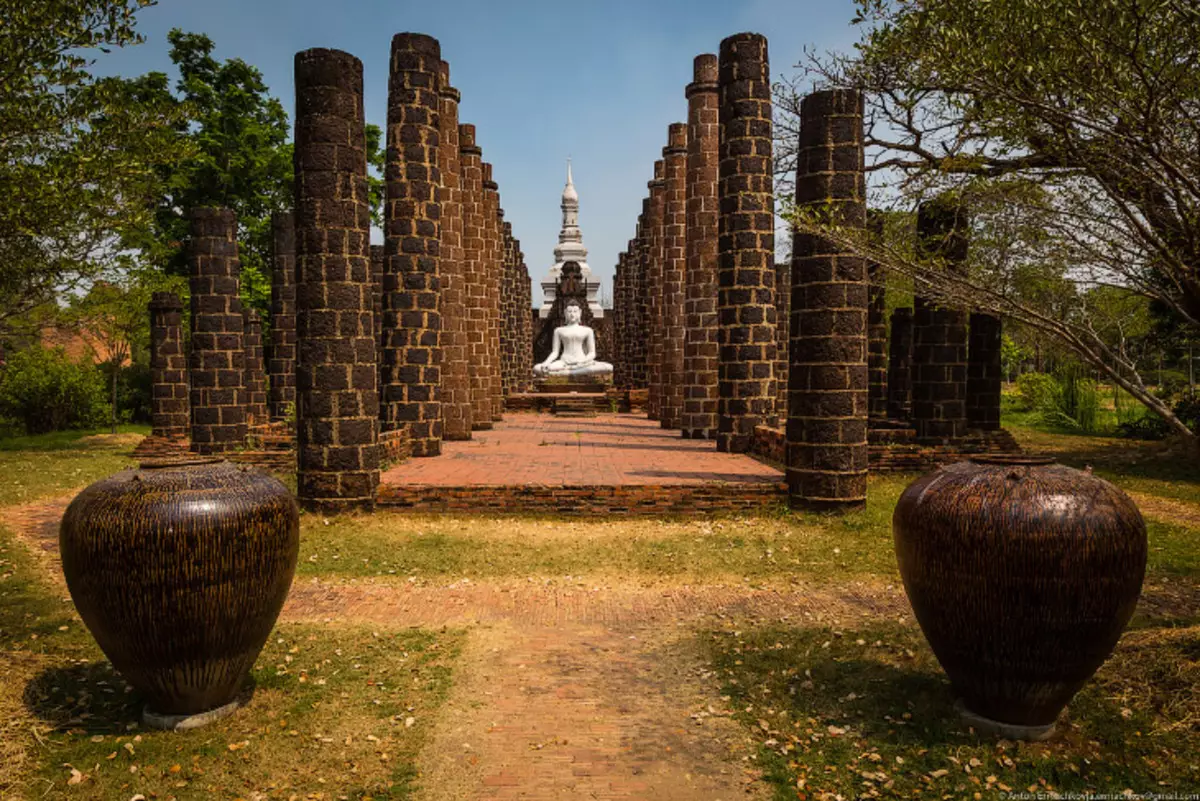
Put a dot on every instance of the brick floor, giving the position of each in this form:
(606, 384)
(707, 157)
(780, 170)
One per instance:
(610, 450)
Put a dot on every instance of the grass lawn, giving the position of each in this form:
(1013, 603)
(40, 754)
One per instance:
(339, 710)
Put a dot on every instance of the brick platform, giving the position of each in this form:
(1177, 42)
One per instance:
(609, 464)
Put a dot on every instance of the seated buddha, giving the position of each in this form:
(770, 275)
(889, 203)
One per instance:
(573, 354)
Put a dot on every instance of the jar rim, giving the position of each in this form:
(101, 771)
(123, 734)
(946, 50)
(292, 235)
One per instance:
(166, 462)
(1014, 459)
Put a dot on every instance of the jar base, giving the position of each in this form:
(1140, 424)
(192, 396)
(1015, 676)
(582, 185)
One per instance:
(1007, 731)
(157, 720)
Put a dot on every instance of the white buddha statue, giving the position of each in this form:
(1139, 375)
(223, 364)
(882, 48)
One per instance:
(573, 354)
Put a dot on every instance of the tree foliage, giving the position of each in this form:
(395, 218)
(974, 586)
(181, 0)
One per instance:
(80, 156)
(1069, 128)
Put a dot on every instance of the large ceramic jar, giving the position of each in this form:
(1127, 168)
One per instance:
(1022, 574)
(179, 568)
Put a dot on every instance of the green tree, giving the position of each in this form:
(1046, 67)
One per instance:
(241, 158)
(80, 157)
(1074, 118)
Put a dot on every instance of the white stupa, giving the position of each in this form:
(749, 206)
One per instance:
(570, 248)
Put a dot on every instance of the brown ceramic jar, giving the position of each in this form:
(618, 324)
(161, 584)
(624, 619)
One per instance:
(179, 568)
(1022, 574)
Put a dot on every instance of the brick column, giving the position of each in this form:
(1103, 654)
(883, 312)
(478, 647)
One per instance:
(639, 305)
(827, 424)
(655, 312)
(378, 262)
(746, 243)
(474, 271)
(984, 372)
(412, 356)
(939, 379)
(456, 382)
(526, 382)
(337, 425)
(493, 249)
(218, 361)
(168, 368)
(674, 256)
(255, 381)
(877, 355)
(508, 310)
(282, 365)
(899, 378)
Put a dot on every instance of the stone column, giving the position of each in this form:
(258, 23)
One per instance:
(984, 372)
(255, 381)
(655, 312)
(282, 365)
(378, 261)
(475, 273)
(412, 357)
(493, 264)
(827, 424)
(620, 365)
(168, 368)
(939, 381)
(746, 243)
(526, 382)
(337, 425)
(674, 256)
(877, 355)
(508, 310)
(700, 350)
(456, 382)
(218, 361)
(899, 378)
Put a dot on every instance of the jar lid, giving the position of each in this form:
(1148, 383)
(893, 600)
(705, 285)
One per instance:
(1014, 459)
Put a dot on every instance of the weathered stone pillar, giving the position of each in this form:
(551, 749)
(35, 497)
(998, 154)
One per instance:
(218, 359)
(899, 378)
(877, 355)
(456, 381)
(508, 310)
(827, 424)
(984, 372)
(939, 382)
(655, 312)
(475, 273)
(746, 243)
(412, 357)
(378, 261)
(168, 368)
(620, 318)
(493, 264)
(700, 350)
(255, 381)
(337, 401)
(282, 365)
(674, 258)
(639, 358)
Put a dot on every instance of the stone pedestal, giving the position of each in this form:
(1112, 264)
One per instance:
(412, 356)
(218, 360)
(168, 368)
(337, 425)
(746, 244)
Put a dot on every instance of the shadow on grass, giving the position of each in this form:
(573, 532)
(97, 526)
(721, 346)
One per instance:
(90, 696)
(840, 711)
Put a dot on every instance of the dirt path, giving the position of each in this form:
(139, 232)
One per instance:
(1169, 510)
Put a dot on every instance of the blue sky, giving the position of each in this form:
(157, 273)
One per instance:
(596, 81)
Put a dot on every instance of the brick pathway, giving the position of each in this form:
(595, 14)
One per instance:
(611, 449)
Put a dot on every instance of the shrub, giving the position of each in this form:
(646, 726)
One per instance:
(1072, 402)
(1033, 390)
(43, 390)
